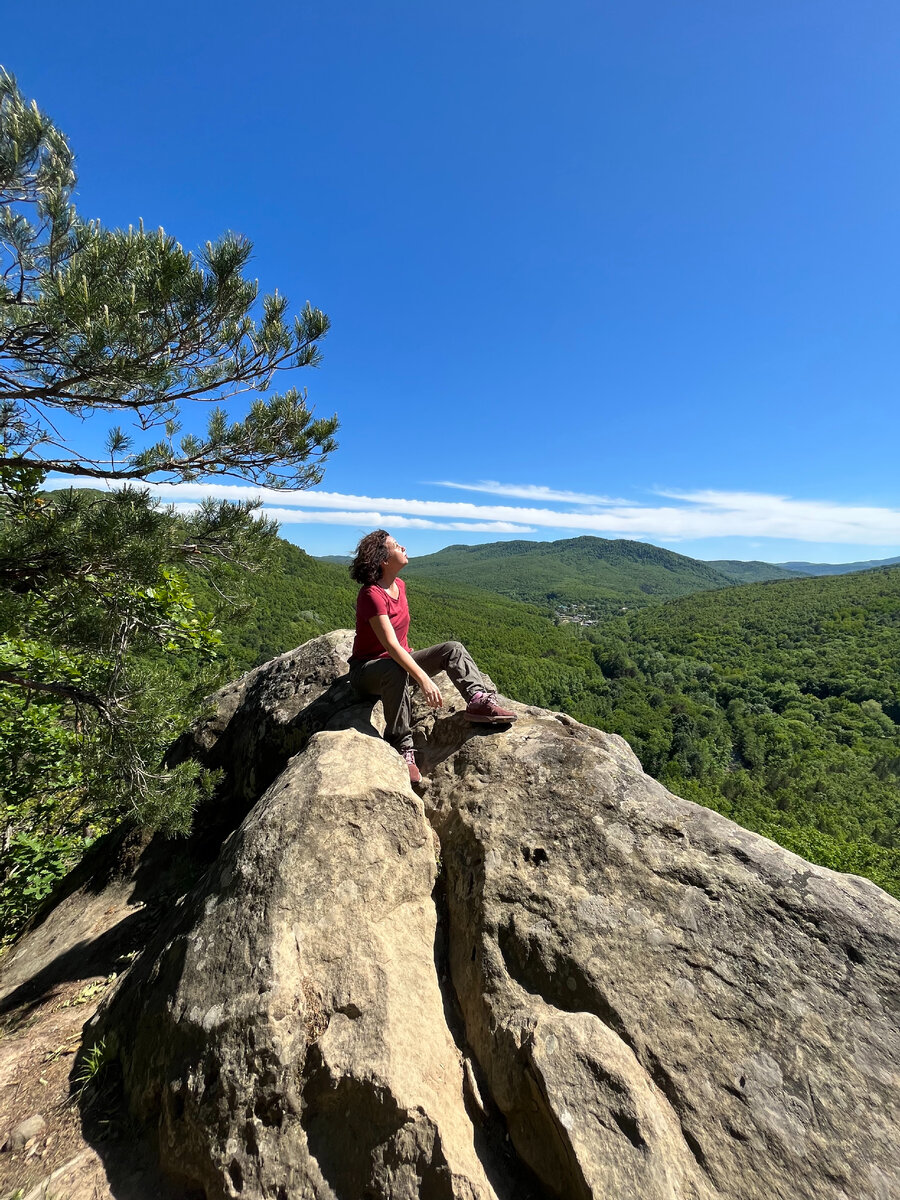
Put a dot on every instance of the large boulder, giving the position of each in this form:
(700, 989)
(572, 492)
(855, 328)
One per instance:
(644, 1000)
(664, 1004)
(287, 1036)
(257, 723)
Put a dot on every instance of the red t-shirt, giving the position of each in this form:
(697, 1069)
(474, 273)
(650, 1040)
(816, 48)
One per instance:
(372, 601)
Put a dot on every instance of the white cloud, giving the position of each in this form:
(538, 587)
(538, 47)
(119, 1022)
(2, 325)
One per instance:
(805, 520)
(527, 491)
(694, 515)
(372, 520)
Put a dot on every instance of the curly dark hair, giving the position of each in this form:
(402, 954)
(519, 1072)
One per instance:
(371, 555)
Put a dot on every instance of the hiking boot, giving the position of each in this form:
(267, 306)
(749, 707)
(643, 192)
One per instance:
(484, 709)
(415, 775)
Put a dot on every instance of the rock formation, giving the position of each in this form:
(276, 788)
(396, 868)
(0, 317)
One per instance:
(545, 976)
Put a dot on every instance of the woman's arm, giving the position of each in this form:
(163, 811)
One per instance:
(384, 631)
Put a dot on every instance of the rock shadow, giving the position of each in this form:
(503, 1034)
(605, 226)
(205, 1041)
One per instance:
(252, 749)
(507, 1174)
(446, 737)
(128, 1144)
(362, 1139)
(128, 1154)
(84, 960)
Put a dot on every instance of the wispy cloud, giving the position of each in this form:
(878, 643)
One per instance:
(690, 515)
(806, 520)
(527, 491)
(373, 520)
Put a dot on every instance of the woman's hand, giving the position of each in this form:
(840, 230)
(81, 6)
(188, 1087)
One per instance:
(431, 692)
(384, 631)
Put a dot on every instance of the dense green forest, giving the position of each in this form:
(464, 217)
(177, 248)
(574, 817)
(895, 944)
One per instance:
(777, 704)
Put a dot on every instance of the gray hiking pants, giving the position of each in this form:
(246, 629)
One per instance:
(385, 678)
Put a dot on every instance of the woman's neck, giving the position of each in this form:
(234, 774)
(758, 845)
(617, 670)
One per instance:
(388, 579)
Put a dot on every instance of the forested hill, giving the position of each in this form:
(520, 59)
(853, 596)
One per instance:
(294, 598)
(577, 576)
(776, 703)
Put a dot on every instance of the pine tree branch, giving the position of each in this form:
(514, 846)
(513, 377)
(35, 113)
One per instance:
(66, 690)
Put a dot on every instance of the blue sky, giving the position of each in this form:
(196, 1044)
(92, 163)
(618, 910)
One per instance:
(618, 269)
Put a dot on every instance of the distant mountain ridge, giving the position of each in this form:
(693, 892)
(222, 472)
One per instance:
(758, 572)
(443, 563)
(754, 571)
(584, 575)
(807, 568)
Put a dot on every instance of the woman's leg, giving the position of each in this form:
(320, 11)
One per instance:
(482, 706)
(387, 679)
(455, 659)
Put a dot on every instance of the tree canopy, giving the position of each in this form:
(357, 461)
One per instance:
(129, 323)
(105, 653)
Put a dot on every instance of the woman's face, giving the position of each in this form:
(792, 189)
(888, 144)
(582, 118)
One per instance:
(396, 554)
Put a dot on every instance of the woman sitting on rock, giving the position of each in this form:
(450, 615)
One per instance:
(382, 663)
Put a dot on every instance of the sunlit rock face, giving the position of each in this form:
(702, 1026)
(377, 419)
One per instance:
(664, 1004)
(544, 975)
